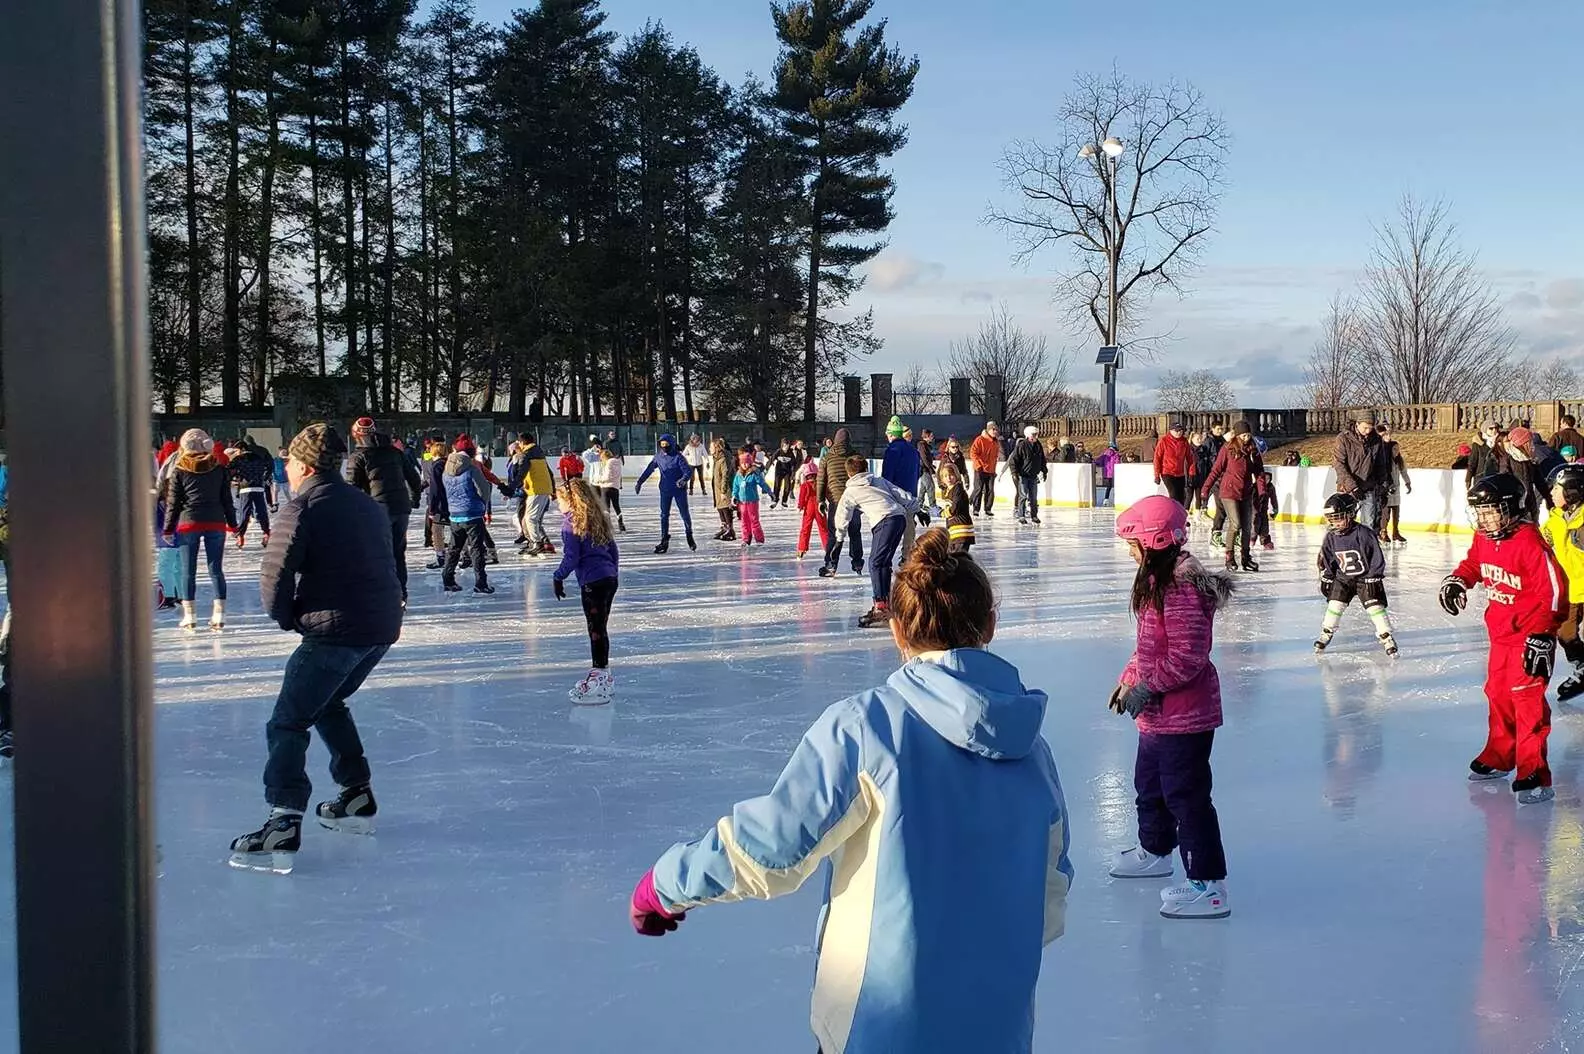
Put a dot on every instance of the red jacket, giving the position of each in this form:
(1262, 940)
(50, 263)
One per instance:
(1526, 587)
(1173, 457)
(984, 452)
(1235, 473)
(570, 465)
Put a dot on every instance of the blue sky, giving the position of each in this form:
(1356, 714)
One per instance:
(1336, 111)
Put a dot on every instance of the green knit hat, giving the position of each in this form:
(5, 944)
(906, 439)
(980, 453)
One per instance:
(895, 429)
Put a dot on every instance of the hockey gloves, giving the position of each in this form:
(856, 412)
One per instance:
(923, 518)
(1326, 584)
(1539, 655)
(1454, 595)
(649, 918)
(1133, 701)
(560, 589)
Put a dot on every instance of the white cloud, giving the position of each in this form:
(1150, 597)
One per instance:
(893, 271)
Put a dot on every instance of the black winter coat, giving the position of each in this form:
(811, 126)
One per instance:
(198, 496)
(382, 472)
(253, 468)
(1028, 458)
(434, 480)
(328, 572)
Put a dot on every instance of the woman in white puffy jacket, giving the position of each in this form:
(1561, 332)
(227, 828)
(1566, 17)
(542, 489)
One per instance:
(605, 476)
(694, 454)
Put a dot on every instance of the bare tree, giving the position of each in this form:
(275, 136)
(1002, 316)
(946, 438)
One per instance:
(1036, 383)
(1430, 326)
(1183, 391)
(919, 392)
(1331, 376)
(1169, 181)
(1532, 379)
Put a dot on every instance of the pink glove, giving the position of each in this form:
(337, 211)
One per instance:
(648, 917)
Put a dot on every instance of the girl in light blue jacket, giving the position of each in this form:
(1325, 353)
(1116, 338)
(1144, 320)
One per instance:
(937, 803)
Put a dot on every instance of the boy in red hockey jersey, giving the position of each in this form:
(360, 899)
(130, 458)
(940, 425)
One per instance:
(1528, 595)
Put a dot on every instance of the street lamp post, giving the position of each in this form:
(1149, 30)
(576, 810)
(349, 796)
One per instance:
(1112, 149)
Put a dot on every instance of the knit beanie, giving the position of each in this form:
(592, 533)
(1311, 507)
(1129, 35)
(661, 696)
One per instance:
(895, 429)
(1364, 417)
(1241, 428)
(465, 444)
(318, 446)
(363, 426)
(196, 441)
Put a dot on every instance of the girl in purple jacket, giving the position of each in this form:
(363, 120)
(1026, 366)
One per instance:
(588, 549)
(1171, 689)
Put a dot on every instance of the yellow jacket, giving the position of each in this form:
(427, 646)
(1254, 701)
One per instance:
(1565, 532)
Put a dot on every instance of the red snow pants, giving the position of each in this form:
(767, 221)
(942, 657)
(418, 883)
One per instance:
(1520, 718)
(812, 516)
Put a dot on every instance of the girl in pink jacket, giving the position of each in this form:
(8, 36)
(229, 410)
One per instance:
(1171, 689)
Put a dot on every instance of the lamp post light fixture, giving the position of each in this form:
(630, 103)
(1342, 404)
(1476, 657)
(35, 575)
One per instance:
(1110, 357)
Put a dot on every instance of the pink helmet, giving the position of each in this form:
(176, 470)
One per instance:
(1155, 523)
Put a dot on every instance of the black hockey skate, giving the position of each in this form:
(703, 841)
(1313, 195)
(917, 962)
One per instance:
(1323, 641)
(1530, 792)
(827, 571)
(874, 617)
(271, 848)
(1389, 642)
(1250, 565)
(7, 745)
(1479, 772)
(691, 543)
(452, 587)
(1571, 688)
(483, 589)
(664, 546)
(352, 812)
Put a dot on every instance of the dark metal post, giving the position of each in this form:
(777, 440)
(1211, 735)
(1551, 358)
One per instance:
(72, 241)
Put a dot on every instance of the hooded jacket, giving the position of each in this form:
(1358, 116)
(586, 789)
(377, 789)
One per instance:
(434, 484)
(721, 473)
(534, 475)
(580, 556)
(198, 496)
(938, 804)
(465, 488)
(900, 464)
(747, 486)
(831, 483)
(1565, 532)
(671, 465)
(1232, 477)
(382, 472)
(1173, 654)
(875, 498)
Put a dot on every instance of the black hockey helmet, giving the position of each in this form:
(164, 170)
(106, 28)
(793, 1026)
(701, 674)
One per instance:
(1502, 492)
(1571, 479)
(1340, 511)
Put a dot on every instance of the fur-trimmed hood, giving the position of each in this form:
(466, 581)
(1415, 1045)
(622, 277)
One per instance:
(1216, 586)
(197, 464)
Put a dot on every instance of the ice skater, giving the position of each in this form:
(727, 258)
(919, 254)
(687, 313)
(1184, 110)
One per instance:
(382, 472)
(953, 736)
(199, 511)
(605, 477)
(809, 507)
(331, 578)
(674, 475)
(466, 491)
(829, 488)
(1528, 601)
(1172, 691)
(1352, 565)
(747, 485)
(959, 517)
(1564, 530)
(721, 474)
(1266, 508)
(537, 486)
(252, 469)
(887, 507)
(588, 550)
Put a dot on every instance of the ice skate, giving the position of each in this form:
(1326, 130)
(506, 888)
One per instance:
(1479, 772)
(1530, 792)
(593, 690)
(858, 566)
(483, 589)
(1231, 562)
(1139, 862)
(1217, 540)
(1268, 545)
(241, 539)
(7, 745)
(621, 525)
(802, 553)
(1573, 686)
(264, 543)
(1035, 520)
(189, 619)
(271, 848)
(664, 546)
(1389, 642)
(452, 587)
(1195, 900)
(1323, 641)
(1023, 521)
(719, 536)
(875, 616)
(352, 812)
(492, 559)
(691, 543)
(217, 620)
(435, 565)
(827, 571)
(1250, 566)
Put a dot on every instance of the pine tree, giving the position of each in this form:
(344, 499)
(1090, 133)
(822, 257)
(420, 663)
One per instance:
(838, 89)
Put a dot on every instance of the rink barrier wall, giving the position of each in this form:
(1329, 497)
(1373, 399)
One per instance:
(1437, 505)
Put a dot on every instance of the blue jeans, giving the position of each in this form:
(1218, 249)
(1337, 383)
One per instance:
(667, 497)
(214, 556)
(255, 504)
(1369, 513)
(883, 540)
(1103, 493)
(319, 679)
(1028, 496)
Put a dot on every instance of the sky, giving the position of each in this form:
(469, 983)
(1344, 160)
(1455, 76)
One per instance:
(1336, 111)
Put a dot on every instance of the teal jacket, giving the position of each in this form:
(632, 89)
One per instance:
(748, 487)
(936, 800)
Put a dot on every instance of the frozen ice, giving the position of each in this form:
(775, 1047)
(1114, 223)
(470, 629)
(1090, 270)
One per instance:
(1381, 902)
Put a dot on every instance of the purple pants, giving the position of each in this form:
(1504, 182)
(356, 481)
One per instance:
(1172, 777)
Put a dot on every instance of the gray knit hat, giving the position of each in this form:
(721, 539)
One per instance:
(1364, 417)
(319, 446)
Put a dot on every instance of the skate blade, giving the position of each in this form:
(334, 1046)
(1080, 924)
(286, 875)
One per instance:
(1536, 796)
(362, 825)
(266, 863)
(1167, 913)
(1475, 777)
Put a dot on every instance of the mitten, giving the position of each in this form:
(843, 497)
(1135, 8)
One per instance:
(1539, 655)
(1454, 595)
(649, 918)
(560, 589)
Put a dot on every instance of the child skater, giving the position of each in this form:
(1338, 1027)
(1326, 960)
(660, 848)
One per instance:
(1352, 565)
(1564, 529)
(1171, 688)
(935, 783)
(886, 506)
(1265, 509)
(589, 551)
(1528, 596)
(959, 517)
(747, 485)
(809, 507)
(604, 475)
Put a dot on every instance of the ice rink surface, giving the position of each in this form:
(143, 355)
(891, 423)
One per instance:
(1380, 901)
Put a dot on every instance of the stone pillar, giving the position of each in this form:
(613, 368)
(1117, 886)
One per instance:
(881, 400)
(852, 399)
(961, 397)
(995, 398)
